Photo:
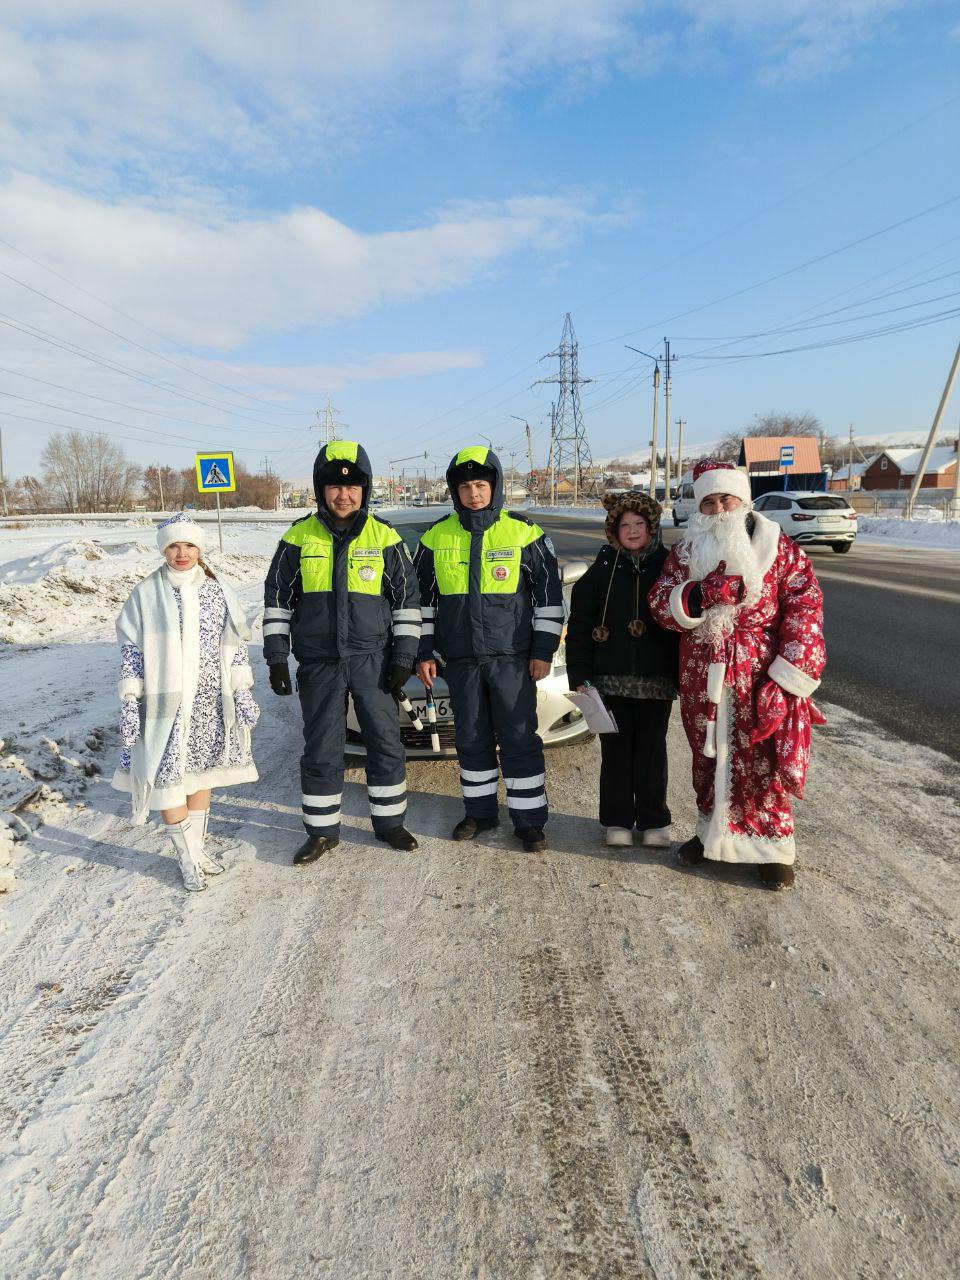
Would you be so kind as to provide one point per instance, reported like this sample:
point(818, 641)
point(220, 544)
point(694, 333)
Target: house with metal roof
point(782, 462)
point(896, 468)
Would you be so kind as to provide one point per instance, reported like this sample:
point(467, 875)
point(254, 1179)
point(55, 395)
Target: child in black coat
point(614, 644)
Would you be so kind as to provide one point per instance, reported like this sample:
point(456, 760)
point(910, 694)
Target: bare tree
point(29, 495)
point(87, 473)
point(785, 424)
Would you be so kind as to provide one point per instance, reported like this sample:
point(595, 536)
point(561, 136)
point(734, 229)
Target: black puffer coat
point(654, 653)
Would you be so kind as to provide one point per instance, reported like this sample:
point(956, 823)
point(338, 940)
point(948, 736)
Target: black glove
point(397, 677)
point(280, 678)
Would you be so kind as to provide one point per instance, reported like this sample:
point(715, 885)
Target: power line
point(119, 404)
point(193, 373)
point(32, 331)
point(789, 271)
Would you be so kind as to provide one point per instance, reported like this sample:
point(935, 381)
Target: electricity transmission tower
point(329, 424)
point(570, 449)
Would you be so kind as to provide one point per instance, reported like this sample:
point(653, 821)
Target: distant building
point(761, 457)
point(849, 477)
point(896, 468)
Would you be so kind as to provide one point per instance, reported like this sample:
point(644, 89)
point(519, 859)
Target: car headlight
point(560, 657)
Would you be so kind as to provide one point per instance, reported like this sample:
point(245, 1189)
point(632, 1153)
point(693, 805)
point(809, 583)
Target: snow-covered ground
point(464, 1061)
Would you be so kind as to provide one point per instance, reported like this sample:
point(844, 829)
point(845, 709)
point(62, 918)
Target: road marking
point(900, 587)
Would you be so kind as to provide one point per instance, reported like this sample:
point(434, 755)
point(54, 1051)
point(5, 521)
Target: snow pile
point(78, 586)
point(38, 776)
point(926, 529)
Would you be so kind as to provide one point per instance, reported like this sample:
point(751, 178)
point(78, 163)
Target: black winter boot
point(534, 841)
point(690, 853)
point(398, 838)
point(314, 847)
point(776, 875)
point(467, 828)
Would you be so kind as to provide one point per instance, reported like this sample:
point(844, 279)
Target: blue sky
point(395, 205)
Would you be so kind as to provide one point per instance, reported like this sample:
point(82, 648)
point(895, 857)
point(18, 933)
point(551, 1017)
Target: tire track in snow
point(581, 1031)
point(591, 1208)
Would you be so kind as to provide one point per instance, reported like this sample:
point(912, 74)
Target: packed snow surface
point(465, 1060)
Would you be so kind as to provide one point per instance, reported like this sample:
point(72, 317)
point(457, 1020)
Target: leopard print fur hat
point(617, 503)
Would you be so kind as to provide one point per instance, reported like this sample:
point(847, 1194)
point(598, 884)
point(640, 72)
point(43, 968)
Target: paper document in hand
point(598, 718)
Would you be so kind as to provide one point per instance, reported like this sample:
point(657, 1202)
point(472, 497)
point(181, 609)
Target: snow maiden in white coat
point(187, 711)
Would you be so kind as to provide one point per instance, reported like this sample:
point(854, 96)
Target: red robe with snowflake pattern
point(743, 792)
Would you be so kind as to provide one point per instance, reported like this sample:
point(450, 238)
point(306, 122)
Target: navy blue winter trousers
point(495, 704)
point(323, 688)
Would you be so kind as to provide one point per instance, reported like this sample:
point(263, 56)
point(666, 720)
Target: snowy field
point(464, 1061)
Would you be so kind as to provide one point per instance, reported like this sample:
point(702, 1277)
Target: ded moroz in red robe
point(762, 728)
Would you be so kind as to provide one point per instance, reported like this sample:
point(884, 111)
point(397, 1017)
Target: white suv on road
point(811, 517)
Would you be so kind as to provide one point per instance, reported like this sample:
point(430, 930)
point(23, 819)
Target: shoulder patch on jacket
point(380, 520)
point(518, 515)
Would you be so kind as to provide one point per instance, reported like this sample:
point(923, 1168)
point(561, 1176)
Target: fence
point(892, 504)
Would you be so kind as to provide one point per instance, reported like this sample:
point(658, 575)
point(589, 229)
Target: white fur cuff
point(677, 610)
point(791, 678)
point(130, 687)
point(241, 677)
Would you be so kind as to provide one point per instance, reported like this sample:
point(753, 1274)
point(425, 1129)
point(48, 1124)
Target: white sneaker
point(658, 837)
point(193, 877)
point(619, 837)
point(198, 838)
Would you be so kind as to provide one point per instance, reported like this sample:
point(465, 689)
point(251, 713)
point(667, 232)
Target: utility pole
point(159, 482)
point(656, 405)
point(681, 423)
point(666, 385)
point(928, 447)
point(3, 483)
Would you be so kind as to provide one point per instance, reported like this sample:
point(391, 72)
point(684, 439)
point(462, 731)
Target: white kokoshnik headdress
point(180, 528)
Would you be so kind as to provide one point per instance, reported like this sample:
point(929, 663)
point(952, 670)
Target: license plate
point(444, 710)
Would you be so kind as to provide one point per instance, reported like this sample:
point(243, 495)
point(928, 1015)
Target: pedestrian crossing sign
point(215, 473)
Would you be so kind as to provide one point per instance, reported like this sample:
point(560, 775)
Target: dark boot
point(534, 841)
point(467, 828)
point(776, 875)
point(398, 838)
point(690, 853)
point(314, 847)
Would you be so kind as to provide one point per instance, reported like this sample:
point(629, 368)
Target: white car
point(823, 518)
point(558, 720)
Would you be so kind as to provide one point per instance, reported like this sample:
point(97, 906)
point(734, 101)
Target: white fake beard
point(706, 541)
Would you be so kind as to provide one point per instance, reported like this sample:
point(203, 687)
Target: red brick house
point(895, 469)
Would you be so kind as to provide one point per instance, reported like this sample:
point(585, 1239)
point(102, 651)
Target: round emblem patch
point(367, 574)
point(500, 572)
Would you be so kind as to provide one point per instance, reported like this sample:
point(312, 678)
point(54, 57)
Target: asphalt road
point(892, 622)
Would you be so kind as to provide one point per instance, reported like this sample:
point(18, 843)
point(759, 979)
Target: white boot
point(619, 837)
point(198, 836)
point(193, 877)
point(658, 837)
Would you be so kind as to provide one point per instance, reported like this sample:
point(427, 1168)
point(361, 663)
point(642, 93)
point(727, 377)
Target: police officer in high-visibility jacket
point(342, 589)
point(492, 608)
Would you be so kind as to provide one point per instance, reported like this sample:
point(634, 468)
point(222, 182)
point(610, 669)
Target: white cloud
point(93, 87)
point(319, 380)
point(219, 281)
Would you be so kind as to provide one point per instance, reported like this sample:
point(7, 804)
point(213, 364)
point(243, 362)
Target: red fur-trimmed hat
point(710, 475)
